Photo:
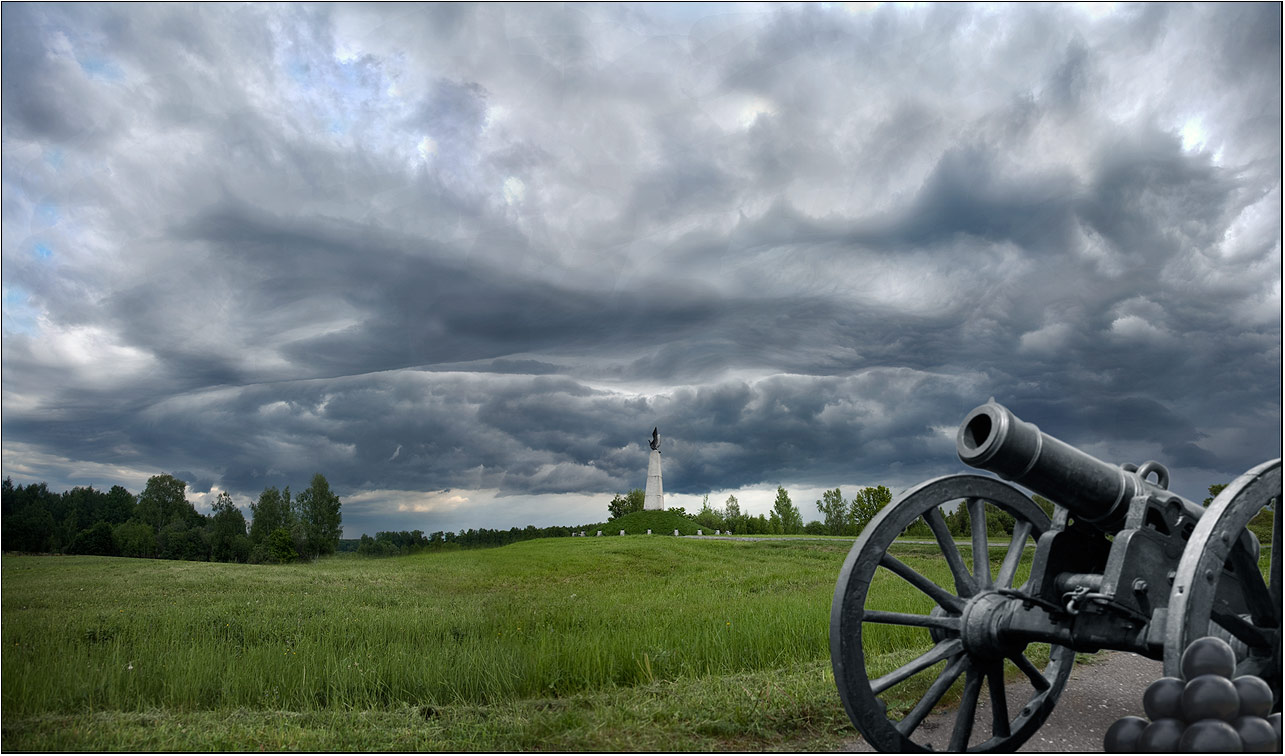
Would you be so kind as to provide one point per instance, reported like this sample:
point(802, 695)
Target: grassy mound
point(660, 522)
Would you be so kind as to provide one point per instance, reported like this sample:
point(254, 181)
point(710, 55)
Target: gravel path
point(1097, 695)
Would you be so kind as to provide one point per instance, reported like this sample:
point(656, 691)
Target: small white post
point(648, 531)
point(599, 532)
point(675, 532)
point(622, 532)
point(717, 531)
point(699, 532)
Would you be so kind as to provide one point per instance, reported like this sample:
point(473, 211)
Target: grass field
point(624, 643)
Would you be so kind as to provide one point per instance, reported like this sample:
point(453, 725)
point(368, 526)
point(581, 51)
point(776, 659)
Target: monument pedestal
point(655, 491)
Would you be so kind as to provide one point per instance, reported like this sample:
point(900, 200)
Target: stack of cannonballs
point(1205, 712)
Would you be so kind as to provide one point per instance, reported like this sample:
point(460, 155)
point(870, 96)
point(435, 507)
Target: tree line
point(161, 523)
point(848, 517)
point(402, 542)
point(841, 516)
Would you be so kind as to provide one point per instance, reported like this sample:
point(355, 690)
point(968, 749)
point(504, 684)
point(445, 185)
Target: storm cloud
point(462, 258)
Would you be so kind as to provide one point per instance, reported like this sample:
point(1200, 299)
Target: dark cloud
point(462, 258)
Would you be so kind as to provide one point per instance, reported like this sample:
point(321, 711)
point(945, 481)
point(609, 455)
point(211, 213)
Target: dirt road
point(1097, 694)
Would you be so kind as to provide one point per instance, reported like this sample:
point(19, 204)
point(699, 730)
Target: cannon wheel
point(848, 617)
point(1195, 608)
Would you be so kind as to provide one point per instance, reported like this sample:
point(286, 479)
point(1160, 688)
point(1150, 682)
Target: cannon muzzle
point(993, 438)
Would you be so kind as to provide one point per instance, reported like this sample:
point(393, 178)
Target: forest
point(161, 523)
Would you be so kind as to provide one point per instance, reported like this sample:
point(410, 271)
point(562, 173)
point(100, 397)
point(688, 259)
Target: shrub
point(637, 523)
point(135, 539)
point(96, 540)
point(280, 546)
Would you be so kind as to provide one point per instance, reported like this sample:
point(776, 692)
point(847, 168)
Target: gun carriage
point(1123, 563)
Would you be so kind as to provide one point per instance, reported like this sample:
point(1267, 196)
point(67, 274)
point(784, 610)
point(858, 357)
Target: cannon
point(1120, 563)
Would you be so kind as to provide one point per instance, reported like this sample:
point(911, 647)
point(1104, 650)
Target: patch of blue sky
point(20, 316)
point(342, 93)
point(42, 251)
point(53, 156)
point(101, 68)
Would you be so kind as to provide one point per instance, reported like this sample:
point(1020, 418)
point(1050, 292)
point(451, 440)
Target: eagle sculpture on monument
point(655, 439)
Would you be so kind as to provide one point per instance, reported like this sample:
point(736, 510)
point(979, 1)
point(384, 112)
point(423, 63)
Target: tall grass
point(542, 618)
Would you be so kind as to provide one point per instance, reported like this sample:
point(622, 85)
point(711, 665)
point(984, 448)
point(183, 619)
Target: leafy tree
point(271, 512)
point(815, 527)
point(998, 522)
point(918, 529)
point(866, 504)
point(97, 539)
point(835, 509)
point(228, 540)
point(791, 518)
point(774, 523)
point(1214, 490)
point(630, 502)
point(710, 517)
point(118, 505)
point(135, 539)
point(162, 501)
point(637, 499)
point(680, 511)
point(30, 529)
point(280, 546)
point(958, 523)
point(733, 508)
point(319, 515)
point(178, 541)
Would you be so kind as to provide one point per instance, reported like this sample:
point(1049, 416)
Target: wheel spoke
point(912, 620)
point(981, 550)
point(1236, 625)
point(1258, 597)
point(1037, 677)
point(999, 701)
point(944, 650)
point(1275, 569)
point(935, 592)
point(967, 709)
point(1008, 569)
point(935, 691)
point(964, 585)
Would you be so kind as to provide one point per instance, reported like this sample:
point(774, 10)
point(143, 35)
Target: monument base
point(655, 491)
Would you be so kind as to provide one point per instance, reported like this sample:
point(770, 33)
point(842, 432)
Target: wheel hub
point(980, 625)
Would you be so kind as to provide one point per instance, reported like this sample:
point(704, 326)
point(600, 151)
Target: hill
point(657, 521)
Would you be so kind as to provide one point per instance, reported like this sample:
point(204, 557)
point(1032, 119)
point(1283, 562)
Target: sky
point(461, 259)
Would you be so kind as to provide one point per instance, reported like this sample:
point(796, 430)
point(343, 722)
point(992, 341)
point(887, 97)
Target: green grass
point(562, 644)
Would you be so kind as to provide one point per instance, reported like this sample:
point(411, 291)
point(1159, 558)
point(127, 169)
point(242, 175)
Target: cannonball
point(1161, 736)
point(1209, 736)
point(1208, 656)
point(1275, 721)
point(1122, 735)
point(1163, 699)
point(1256, 734)
point(1255, 696)
point(1209, 697)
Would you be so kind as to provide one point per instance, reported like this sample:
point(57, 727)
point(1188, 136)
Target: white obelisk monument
point(655, 490)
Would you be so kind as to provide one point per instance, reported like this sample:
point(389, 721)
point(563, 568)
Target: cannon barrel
point(993, 438)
